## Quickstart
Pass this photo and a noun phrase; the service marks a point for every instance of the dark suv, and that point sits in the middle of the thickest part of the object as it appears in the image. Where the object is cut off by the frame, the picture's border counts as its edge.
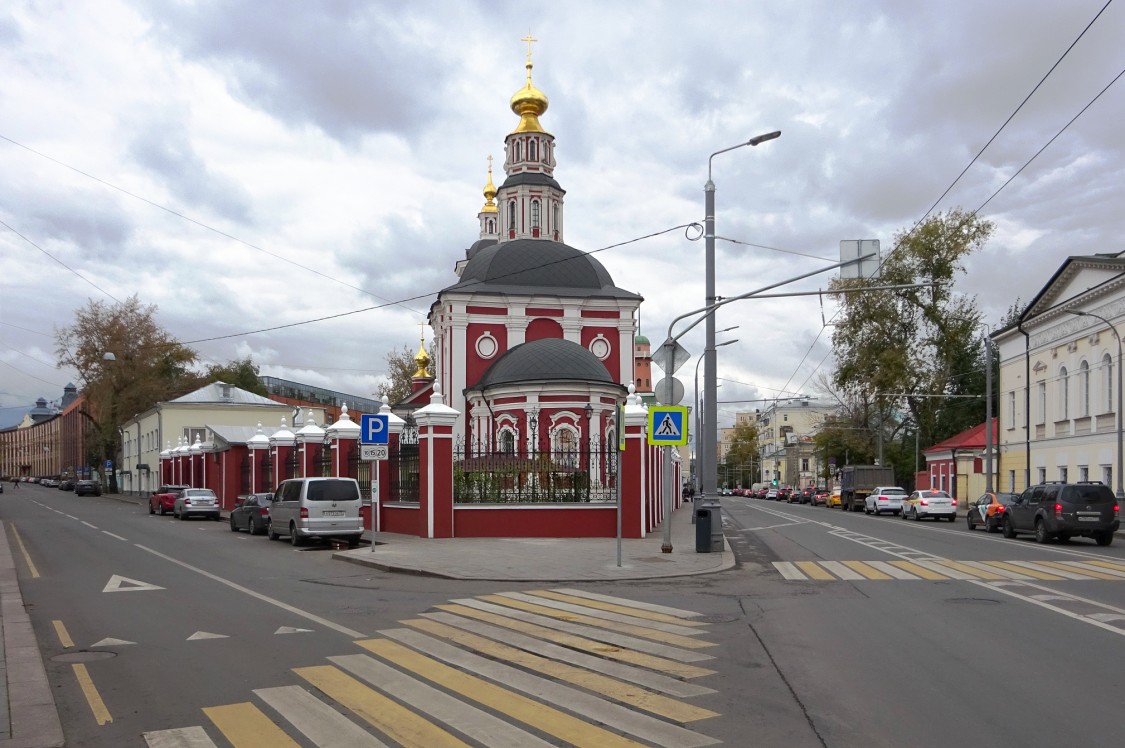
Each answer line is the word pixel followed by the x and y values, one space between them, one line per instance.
pixel 84 487
pixel 1063 510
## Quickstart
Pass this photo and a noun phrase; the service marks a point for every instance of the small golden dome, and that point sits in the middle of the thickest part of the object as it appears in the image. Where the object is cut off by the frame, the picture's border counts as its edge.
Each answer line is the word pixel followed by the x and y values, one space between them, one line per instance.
pixel 489 192
pixel 423 360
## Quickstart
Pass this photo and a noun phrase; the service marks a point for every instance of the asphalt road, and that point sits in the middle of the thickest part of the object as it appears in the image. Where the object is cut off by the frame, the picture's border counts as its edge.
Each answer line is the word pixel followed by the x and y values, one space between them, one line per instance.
pixel 207 618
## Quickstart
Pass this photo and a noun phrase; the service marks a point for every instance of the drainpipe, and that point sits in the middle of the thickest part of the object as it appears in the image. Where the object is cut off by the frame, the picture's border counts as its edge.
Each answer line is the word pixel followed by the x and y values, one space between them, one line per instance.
pixel 1026 402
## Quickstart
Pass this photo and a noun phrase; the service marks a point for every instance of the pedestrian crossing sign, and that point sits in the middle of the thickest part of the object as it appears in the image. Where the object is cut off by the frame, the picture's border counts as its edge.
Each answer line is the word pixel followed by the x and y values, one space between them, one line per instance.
pixel 667 425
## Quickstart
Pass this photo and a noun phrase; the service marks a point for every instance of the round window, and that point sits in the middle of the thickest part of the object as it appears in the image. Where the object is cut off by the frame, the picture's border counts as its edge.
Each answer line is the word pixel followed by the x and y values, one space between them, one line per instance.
pixel 599 346
pixel 487 346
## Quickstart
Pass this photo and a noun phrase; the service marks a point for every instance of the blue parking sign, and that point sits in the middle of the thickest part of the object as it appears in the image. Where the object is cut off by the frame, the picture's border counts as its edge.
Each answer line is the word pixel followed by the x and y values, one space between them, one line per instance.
pixel 374 429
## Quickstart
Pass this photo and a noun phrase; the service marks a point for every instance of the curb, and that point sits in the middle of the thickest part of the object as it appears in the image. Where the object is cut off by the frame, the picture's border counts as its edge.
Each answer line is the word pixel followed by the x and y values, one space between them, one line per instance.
pixel 33 715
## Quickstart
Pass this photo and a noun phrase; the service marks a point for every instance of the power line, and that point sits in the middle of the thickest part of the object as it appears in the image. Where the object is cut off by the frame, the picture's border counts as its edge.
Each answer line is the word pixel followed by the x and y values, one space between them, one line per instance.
pixel 56 259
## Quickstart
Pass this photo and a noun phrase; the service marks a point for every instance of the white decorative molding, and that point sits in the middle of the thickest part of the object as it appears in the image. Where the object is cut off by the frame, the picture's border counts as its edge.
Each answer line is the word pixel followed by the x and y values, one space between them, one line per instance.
pixel 486 345
pixel 601 347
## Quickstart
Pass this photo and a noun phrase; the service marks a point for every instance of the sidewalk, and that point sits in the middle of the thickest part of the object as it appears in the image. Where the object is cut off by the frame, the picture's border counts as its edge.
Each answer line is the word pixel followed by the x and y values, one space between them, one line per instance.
pixel 544 559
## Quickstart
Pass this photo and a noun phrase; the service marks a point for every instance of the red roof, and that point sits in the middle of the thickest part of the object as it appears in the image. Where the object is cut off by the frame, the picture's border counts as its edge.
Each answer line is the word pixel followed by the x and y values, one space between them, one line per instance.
pixel 969 439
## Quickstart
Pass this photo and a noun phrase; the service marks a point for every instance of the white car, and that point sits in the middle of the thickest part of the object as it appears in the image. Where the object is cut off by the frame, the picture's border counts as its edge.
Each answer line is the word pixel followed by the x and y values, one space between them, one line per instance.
pixel 929 503
pixel 884 499
pixel 200 501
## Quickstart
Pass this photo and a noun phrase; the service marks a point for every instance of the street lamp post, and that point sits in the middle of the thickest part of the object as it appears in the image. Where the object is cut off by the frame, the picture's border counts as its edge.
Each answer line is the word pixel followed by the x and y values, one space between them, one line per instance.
pixel 699 417
pixel 1120 450
pixel 710 466
pixel 588 411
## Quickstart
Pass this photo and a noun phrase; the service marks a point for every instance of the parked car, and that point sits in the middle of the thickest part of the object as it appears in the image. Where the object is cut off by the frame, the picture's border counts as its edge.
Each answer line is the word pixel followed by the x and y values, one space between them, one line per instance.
pixel 163 499
pixel 305 508
pixel 783 494
pixel 196 501
pixel 87 487
pixel 820 496
pixel 834 498
pixel 929 503
pixel 988 511
pixel 251 513
pixel 1063 510
pixel 771 494
pixel 884 499
pixel 66 485
pixel 807 495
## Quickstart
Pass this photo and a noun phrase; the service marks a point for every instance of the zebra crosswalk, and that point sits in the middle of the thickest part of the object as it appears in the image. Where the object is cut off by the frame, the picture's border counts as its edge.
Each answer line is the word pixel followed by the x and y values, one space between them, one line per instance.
pixel 510 670
pixel 920 568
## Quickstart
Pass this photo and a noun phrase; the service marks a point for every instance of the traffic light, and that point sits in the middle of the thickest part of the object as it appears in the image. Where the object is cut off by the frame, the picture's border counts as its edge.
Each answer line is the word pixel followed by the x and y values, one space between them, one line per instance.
pixel 775 481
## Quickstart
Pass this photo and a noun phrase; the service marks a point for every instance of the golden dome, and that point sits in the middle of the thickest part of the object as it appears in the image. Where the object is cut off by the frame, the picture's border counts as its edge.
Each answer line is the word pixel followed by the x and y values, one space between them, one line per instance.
pixel 423 360
pixel 529 102
pixel 489 192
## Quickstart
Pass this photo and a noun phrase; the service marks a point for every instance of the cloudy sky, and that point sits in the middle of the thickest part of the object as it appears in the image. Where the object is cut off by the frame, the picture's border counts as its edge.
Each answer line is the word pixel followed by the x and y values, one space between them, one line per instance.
pixel 247 164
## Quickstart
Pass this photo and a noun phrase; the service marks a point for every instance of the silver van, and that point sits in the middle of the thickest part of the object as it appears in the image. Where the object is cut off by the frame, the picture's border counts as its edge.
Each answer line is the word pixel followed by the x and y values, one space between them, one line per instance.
pixel 316 508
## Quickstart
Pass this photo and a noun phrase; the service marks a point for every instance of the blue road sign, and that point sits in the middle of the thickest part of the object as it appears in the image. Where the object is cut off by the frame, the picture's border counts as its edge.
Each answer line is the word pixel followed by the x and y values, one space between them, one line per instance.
pixel 374 429
pixel 667 425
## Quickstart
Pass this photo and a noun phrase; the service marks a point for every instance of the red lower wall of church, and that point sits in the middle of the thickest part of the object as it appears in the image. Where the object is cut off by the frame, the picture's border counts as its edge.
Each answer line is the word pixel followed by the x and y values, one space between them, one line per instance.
pixel 535 522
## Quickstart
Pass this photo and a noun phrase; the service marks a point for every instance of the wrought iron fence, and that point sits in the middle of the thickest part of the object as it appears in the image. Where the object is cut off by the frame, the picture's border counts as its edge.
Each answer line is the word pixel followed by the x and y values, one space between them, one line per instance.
pixel 322 462
pixel 267 473
pixel 404 465
pixel 519 476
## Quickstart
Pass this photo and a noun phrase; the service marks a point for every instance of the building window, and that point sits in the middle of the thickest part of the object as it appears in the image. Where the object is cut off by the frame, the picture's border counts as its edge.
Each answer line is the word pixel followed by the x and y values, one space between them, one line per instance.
pixel 804 464
pixel 512 215
pixel 1064 394
pixel 1062 473
pixel 532 151
pixel 1011 481
pixel 534 214
pixel 555 216
pixel 1083 389
pixel 1042 473
pixel 508 442
pixel 1107 383
pixel 489 227
pixel 1083 473
pixel 1042 411
pixel 517 151
pixel 1012 409
pixel 1107 475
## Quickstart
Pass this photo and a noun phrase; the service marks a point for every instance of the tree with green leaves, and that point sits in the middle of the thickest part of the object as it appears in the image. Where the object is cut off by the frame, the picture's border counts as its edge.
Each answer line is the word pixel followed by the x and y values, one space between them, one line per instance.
pixel 742 455
pixel 126 363
pixel 241 373
pixel 912 354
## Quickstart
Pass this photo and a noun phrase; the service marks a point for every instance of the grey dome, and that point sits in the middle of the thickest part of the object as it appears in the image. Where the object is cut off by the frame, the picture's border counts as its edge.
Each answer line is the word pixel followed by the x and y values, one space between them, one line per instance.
pixel 552 359
pixel 478 245
pixel 531 264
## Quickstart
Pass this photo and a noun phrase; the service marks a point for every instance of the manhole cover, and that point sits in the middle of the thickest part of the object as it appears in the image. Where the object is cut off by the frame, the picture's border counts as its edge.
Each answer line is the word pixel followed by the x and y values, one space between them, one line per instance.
pixel 714 619
pixel 972 601
pixel 83 656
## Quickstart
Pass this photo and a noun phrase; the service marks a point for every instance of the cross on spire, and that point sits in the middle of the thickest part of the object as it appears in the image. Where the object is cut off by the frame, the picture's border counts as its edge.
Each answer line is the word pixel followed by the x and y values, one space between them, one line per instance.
pixel 529 39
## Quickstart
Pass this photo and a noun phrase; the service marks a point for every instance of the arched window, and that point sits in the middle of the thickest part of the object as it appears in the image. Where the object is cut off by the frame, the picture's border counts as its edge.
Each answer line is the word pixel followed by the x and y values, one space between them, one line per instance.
pixel 1083 389
pixel 534 214
pixel 516 150
pixel 1107 382
pixel 566 447
pixel 508 442
pixel 1064 395
pixel 555 216
pixel 512 215
pixel 532 151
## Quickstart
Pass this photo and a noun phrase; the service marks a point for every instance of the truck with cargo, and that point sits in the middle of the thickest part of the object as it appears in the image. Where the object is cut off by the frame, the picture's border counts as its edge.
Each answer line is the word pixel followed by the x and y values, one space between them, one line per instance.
pixel 858 481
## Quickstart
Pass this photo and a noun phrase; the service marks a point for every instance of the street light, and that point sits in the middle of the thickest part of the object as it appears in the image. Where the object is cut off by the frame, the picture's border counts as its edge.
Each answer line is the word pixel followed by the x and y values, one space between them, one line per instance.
pixel 699 417
pixel 1120 450
pixel 710 383
pixel 589 413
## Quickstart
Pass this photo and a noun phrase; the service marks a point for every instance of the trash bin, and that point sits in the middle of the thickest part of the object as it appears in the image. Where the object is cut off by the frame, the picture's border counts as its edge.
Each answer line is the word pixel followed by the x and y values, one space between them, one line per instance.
pixel 702 530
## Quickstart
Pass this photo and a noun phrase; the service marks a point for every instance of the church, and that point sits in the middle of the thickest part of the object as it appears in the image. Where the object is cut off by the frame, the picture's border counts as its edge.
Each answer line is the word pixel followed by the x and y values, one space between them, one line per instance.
pixel 535 343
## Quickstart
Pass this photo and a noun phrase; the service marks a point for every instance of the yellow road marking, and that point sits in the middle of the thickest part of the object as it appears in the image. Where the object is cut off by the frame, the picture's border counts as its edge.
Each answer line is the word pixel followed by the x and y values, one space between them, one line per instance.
pixel 26 555
pixel 814 570
pixel 1106 564
pixel 387 716
pixel 61 632
pixel 626 693
pixel 635 612
pixel 602 649
pixel 245 726
pixel 93 698
pixel 676 640
pixel 1025 570
pixel 868 571
pixel 917 570
pixel 540 716
pixel 979 573
pixel 1077 569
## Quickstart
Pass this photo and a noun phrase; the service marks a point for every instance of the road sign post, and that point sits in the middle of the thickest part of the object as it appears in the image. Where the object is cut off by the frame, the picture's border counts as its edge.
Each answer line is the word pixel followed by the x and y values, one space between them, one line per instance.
pixel 374 429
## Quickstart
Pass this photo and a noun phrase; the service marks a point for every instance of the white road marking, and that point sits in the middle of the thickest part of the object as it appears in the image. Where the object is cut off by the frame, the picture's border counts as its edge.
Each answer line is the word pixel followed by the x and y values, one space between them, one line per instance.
pixel 892 570
pixel 605 615
pixel 843 572
pixel 111 643
pixel 1094 619
pixel 181 737
pixel 206 635
pixel 789 571
pixel 71 516
pixel 292 630
pixel 319 722
pixel 89 525
pixel 124 584
pixel 118 537
pixel 352 633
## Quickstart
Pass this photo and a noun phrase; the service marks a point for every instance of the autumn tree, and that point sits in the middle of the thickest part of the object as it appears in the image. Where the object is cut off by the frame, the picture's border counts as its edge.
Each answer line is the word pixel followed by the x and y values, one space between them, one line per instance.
pixel 912 354
pixel 126 363
pixel 742 454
